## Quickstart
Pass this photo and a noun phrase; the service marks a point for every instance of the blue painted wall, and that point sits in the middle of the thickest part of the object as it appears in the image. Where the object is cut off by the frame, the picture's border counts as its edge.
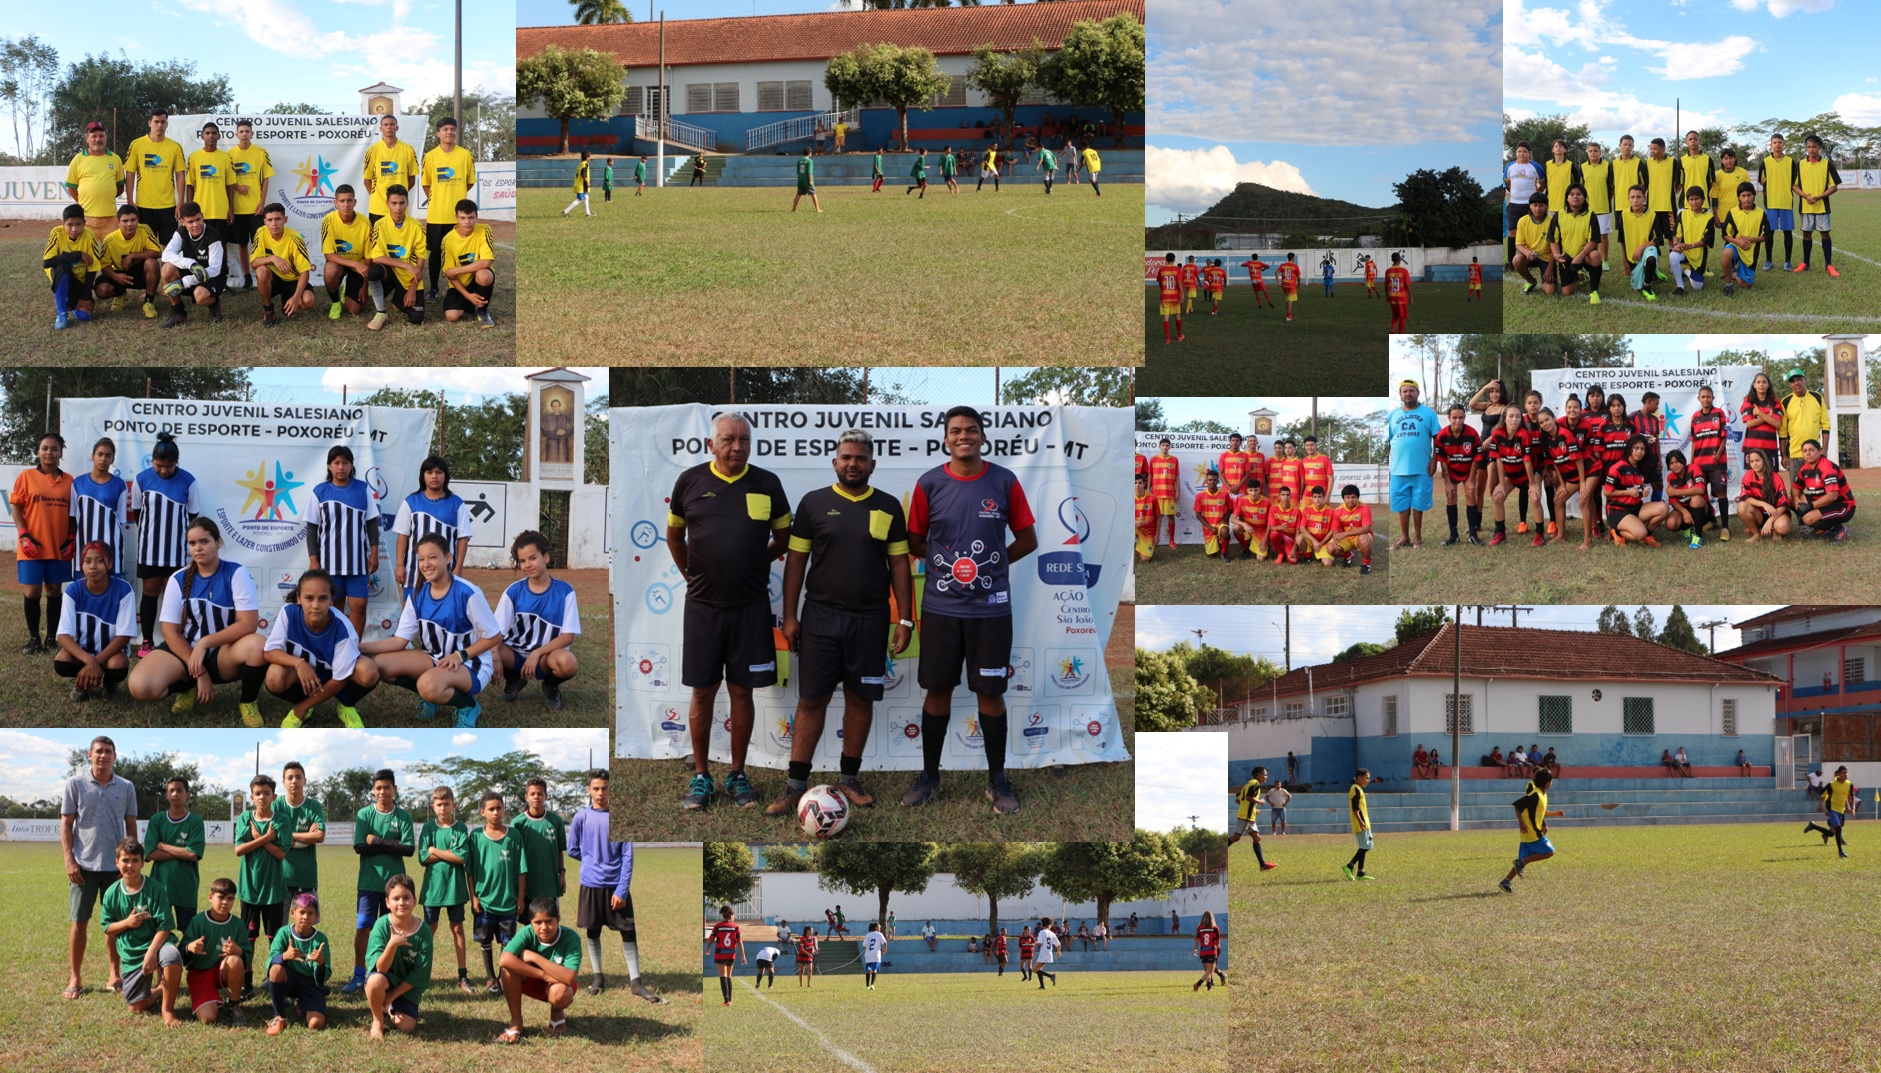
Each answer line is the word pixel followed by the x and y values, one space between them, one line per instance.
pixel 878 125
pixel 1332 760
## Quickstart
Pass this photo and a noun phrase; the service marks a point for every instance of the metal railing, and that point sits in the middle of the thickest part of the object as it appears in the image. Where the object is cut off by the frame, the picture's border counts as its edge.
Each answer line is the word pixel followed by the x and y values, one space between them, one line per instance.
pixel 803 128
pixel 685 135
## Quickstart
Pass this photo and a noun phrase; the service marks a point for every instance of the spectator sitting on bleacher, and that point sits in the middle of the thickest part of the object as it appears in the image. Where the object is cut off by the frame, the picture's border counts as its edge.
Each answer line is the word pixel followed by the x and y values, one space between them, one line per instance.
pixel 1549 762
pixel 1084 934
pixel 927 932
pixel 1494 759
pixel 973 944
pixel 1814 789
pixel 1100 935
pixel 1419 761
pixel 1743 765
pixel 1685 765
pixel 1133 923
pixel 1665 761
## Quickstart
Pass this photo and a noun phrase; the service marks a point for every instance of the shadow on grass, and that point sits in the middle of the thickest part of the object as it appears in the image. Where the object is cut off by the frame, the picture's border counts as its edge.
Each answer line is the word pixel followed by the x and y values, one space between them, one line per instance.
pixel 609 1028
pixel 1459 896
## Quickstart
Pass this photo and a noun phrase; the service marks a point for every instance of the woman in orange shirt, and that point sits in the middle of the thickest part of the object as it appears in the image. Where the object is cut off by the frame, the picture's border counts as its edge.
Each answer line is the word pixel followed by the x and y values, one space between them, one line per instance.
pixel 41 505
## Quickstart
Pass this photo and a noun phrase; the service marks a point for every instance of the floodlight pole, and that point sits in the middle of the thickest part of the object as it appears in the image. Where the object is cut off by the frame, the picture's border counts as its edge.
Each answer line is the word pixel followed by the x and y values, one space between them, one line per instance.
pixel 659 118
pixel 1456 727
pixel 457 71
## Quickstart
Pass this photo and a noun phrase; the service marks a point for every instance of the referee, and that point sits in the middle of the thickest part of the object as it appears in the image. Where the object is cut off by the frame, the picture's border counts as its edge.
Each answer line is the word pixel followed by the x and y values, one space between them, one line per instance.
pixel 725 523
pixel 854 541
pixel 958 518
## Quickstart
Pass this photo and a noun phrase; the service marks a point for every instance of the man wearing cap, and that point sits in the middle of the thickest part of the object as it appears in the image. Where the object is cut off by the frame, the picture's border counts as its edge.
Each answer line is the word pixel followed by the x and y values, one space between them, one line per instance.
pixel 1804 418
pixel 1412 464
pixel 94 179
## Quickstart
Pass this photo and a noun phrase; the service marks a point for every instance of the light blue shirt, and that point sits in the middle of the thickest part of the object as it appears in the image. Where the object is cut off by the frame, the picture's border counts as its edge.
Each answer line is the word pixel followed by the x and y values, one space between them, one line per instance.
pixel 1411 434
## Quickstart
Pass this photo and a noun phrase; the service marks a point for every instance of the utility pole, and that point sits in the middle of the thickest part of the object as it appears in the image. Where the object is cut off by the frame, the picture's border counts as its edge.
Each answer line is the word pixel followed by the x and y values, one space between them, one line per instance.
pixel 1514 610
pixel 660 117
pixel 1713 627
pixel 1289 635
pixel 1315 416
pixel 1456 725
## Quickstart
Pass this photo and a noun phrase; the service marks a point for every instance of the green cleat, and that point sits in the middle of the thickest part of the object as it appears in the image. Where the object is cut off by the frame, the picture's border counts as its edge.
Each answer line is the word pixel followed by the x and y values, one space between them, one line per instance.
pixel 1348 872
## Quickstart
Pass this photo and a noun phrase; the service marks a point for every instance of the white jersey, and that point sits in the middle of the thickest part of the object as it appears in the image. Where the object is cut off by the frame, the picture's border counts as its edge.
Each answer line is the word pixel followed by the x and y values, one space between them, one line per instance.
pixel 769 953
pixel 1523 179
pixel 873 943
pixel 1047 947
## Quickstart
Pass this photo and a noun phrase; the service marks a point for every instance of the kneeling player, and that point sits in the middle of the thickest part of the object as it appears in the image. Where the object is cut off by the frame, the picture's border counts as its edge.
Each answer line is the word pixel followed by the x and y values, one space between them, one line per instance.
pixel 71 263
pixel 96 622
pixel 346 242
pixel 1249 522
pixel 1763 503
pixel 397 262
pixel 1744 231
pixel 313 655
pixel 1640 231
pixel 129 262
pixel 1574 244
pixel 1283 528
pixel 469 267
pixel 1826 502
pixel 540 962
pixel 540 620
pixel 1531 247
pixel 193 265
pixel 1531 814
pixel 398 960
pixel 282 270
pixel 1692 237
pixel 1352 529
pixel 1211 510
pixel 217 950
pixel 1316 526
pixel 299 966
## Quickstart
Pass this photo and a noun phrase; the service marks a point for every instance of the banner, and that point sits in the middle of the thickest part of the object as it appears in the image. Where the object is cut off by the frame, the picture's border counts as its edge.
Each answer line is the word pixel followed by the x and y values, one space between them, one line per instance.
pixel 1199 452
pixel 1070 461
pixel 256 465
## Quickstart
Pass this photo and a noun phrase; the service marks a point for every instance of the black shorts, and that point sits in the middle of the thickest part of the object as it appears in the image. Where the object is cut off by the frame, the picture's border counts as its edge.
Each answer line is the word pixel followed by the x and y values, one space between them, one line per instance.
pixel 1516 212
pixel 1567 272
pixel 282 288
pixel 594 908
pixel 838 648
pixel 1649 468
pixel 1836 513
pixel 434 241
pixel 145 570
pixel 454 300
pixel 352 285
pixel 731 644
pixel 242 228
pixel 208 662
pixel 493 927
pixel 1614 514
pixel 395 297
pixel 161 221
pixel 982 645
pixel 1715 476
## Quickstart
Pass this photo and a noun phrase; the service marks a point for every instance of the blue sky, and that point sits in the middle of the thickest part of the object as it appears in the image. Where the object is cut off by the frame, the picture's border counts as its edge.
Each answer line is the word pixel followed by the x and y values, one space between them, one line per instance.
pixel 561 12
pixel 33 762
pixel 1178 776
pixel 1233 411
pixel 1619 67
pixel 1661 351
pixel 1341 103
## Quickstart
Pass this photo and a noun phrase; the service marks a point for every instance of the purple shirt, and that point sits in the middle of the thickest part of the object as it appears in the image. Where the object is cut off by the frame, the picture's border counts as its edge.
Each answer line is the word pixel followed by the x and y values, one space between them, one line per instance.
pixel 604 863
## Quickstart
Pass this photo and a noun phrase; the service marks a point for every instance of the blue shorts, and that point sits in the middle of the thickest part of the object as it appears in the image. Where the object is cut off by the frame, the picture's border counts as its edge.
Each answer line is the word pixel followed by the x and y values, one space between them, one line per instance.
pixel 454 912
pixel 1538 848
pixel 308 996
pixel 517 659
pixel 1835 820
pixel 1779 219
pixel 371 908
pixel 494 927
pixel 1745 271
pixel 45 572
pixel 404 1004
pixel 1410 492
pixel 872 966
pixel 351 586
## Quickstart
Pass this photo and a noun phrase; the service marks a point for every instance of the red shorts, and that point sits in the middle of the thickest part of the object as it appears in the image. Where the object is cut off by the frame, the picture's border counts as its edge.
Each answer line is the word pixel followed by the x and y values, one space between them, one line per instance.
pixel 1401 303
pixel 536 989
pixel 1259 286
pixel 204 988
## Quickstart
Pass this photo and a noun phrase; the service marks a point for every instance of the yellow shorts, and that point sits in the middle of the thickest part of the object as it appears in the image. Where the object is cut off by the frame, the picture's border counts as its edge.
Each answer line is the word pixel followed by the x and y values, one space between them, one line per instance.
pixel 1324 553
pixel 1473 287
pixel 1191 292
pixel 1293 296
pixel 1170 309
pixel 1165 507
pixel 1349 544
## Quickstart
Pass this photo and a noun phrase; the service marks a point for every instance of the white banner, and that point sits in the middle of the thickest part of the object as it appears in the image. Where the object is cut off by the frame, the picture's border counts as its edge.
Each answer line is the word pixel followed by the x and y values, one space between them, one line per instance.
pixel 1071 461
pixel 1199 452
pixel 1678 399
pixel 32 193
pixel 215 832
pixel 256 465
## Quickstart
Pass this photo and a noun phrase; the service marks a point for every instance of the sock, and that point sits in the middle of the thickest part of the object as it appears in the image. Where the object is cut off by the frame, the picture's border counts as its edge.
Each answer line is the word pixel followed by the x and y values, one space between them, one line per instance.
pixel 1508 248
pixel 993 734
pixel 799 772
pixel 461 699
pixel 376 288
pixel 350 694
pixel 54 601
pixel 725 987
pixel 1593 275
pixel 1449 511
pixel 489 962
pixel 280 997
pixel 631 950
pixel 1178 325
pixel 933 740
pixel 1789 244
pixel 1522 508
pixel 1259 857
pixel 1361 862
pixel 1809 243
pixel 594 951
pixel 232 257
pixel 1652 271
pixel 1475 515
pixel 147 616
pixel 32 617
pixel 114 675
pixel 851 766
pixel 61 290
pixel 1500 527
pixel 251 683
pixel 1828 250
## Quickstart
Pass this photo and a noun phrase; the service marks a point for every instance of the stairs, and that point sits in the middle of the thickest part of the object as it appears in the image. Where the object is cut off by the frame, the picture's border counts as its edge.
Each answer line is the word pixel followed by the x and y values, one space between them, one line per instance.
pixel 855 169
pixel 1485 805
pixel 843 958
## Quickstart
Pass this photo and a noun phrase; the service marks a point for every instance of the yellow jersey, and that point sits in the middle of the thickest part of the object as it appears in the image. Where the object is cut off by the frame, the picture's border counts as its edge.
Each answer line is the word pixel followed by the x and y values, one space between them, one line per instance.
pixel 1695 169
pixel 156 165
pixel 1533 234
pixel 1658 177
pixel 1697 227
pixel 1361 815
pixel 404 243
pixel 1560 177
pixel 209 182
pixel 97 180
pixel 251 165
pixel 456 249
pixel 1091 163
pixel 1838 793
pixel 1627 174
pixel 1815 176
pixel 1573 232
pixel 448 178
pixel 581 177
pixel 1724 188
pixel 86 243
pixel 1778 176
pixel 290 247
pixel 116 247
pixel 1532 814
pixel 1598 179
pixel 1744 223
pixel 351 241
pixel 385 166
pixel 1248 798
pixel 1637 230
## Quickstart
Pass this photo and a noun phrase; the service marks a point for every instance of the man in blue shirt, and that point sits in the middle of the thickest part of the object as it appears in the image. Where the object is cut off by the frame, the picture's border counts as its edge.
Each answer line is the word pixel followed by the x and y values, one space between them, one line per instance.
pixel 606 899
pixel 1413 429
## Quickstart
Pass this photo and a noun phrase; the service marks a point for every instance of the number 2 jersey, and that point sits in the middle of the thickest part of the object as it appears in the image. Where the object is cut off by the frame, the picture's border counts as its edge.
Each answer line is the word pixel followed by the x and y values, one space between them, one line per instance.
pixel 528 619
pixel 331 652
pixel 202 605
pixel 94 620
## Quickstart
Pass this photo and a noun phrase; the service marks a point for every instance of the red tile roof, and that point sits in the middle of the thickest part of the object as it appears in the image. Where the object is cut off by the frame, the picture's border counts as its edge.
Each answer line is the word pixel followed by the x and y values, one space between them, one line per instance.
pixel 1503 652
pixel 770 38
pixel 1791 613
pixel 1821 639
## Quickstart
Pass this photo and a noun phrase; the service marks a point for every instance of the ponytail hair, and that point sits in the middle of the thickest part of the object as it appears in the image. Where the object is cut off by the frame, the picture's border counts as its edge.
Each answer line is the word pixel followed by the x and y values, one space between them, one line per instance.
pixel 105 441
pixel 207 525
pixel 165 450
pixel 524 539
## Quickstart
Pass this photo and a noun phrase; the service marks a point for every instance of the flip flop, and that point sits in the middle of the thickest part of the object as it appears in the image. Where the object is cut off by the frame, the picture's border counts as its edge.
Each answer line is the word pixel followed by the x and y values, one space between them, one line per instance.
pixel 510 1035
pixel 557 1028
pixel 72 991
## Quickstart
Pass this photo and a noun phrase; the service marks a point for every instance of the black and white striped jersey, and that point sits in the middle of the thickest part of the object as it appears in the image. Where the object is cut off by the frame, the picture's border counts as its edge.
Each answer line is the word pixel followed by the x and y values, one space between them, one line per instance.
pixel 420 515
pixel 164 507
pixel 98 514
pixel 449 624
pixel 93 619
pixel 346 523
pixel 211 603
pixel 530 620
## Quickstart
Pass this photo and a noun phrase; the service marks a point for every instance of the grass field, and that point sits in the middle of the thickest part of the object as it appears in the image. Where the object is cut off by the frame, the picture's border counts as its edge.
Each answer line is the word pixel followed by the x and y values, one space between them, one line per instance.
pixel 26 332
pixel 723 275
pixel 32 695
pixel 1186 576
pixel 1777 302
pixel 1335 346
pixel 97 1031
pixel 1096 1022
pixel 1741 947
pixel 1562 573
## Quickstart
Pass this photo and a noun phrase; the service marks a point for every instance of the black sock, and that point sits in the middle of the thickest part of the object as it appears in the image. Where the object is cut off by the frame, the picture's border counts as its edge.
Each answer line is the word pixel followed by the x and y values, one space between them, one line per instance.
pixel 1475 516
pixel 403 681
pixel 1652 271
pixel 799 771
pixel 1500 526
pixel 114 675
pixel 147 617
pixel 32 617
pixel 1449 512
pixel 1258 855
pixel 350 694
pixel 252 678
pixel 1809 244
pixel 725 987
pixel 489 962
pixel 281 996
pixel 851 765
pixel 1359 858
pixel 933 740
pixel 1789 240
pixel 1521 507
pixel 1508 248
pixel 1828 251
pixel 1593 275
pixel 993 734
pixel 461 699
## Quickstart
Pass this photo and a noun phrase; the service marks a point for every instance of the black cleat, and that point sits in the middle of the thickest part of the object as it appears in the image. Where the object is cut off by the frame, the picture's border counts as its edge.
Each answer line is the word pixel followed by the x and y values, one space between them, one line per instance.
pixel 552 696
pixel 1474 539
pixel 512 688
pixel 1451 539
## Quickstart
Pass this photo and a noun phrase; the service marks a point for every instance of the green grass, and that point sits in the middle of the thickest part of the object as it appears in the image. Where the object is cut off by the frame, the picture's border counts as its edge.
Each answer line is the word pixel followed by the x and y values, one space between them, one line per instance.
pixel 98 1031
pixel 1078 803
pixel 1636 948
pixel 1186 576
pixel 712 276
pixel 1562 573
pixel 32 695
pixel 1335 346
pixel 1778 302
pixel 1098 1022
pixel 26 330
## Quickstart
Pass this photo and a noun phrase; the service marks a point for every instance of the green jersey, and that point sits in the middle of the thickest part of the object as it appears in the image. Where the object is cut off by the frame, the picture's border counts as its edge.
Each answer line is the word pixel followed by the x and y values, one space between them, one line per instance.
pixel 212 933
pixel 395 827
pixel 258 879
pixel 179 879
pixel 411 965
pixel 304 947
pixel 544 842
pixel 565 950
pixel 640 173
pixel 1047 161
pixel 919 171
pixel 495 866
pixel 878 166
pixel 444 881
pixel 298 870
pixel 806 171
pixel 947 166
pixel 607 176
pixel 119 903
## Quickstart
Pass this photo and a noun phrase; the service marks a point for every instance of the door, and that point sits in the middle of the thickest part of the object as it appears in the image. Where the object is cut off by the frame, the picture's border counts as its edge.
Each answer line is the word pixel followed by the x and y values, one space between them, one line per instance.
pixel 552 516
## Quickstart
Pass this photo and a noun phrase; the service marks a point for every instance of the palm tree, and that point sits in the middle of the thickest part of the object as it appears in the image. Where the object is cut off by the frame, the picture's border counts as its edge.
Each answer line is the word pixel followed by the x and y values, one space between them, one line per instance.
pixel 595 12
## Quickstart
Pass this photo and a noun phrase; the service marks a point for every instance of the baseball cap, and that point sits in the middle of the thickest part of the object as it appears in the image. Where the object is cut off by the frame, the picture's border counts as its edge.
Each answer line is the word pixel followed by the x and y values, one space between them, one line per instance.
pixel 93 125
pixel 1794 373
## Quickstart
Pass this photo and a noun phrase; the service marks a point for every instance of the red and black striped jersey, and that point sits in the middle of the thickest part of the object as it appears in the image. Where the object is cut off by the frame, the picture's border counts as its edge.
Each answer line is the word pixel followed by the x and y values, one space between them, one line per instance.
pixel 1688 481
pixel 1760 437
pixel 1822 478
pixel 1708 430
pixel 1771 490
pixel 1651 426
pixel 1613 439
pixel 1458 449
pixel 1624 482
pixel 806 947
pixel 1512 450
pixel 725 936
pixel 1208 940
pixel 1564 447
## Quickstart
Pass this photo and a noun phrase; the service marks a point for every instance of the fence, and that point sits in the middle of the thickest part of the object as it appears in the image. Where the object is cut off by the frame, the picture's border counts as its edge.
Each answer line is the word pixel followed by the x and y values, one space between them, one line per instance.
pixel 677 133
pixel 891 385
pixel 800 129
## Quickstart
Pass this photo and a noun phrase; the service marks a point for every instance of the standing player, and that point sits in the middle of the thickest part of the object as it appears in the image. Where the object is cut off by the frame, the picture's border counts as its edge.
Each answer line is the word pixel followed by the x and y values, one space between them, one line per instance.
pixel 93 179
pixel 470 275
pixel 390 162
pixel 918 172
pixel 1286 471
pixel 1476 281
pixel 606 886
pixel 1724 183
pixel 1559 173
pixel 343 534
pixel 1047 165
pixel 873 943
pixel 1000 946
pixel 249 172
pixel 989 166
pixel 41 506
pixel 1289 274
pixel 1235 465
pixel 1511 447
pixel 1326 268
pixel 345 242
pixel 727 942
pixel 449 176
pixel 1693 167
pixel 580 188
pixel 1191 282
pixel 1459 446
pixel 1208 949
pixel 806 956
pixel 1360 815
pixel 1048 947
pixel 128 262
pixel 1837 804
pixel 101 505
pixel 1398 293
pixel 640 175
pixel 948 167
pixel 1214 281
pixel 1629 171
pixel 1371 277
pixel 607 180
pixel 1531 815
pixel 1777 175
pixel 1165 483
pixel 1028 947
pixel 1256 269
pixel 875 172
pixel 1211 511
pixel 210 179
pixel 433 508
pixel 397 262
pixel 1248 800
pixel 163 499
pixel 1169 295
pixel 1659 175
pixel 1521 178
pixel 153 177
pixel 1816 179
pixel 1597 180
pixel 1092 165
pixel 1709 428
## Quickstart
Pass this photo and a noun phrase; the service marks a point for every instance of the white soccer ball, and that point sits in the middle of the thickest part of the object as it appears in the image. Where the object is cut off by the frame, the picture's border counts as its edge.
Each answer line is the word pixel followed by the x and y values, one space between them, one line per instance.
pixel 822 812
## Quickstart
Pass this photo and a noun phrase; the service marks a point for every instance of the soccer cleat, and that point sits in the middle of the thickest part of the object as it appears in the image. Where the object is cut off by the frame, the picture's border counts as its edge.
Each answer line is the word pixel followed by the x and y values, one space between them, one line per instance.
pixel 484 319
pixel 1451 539
pixel 1786 266
pixel 143 649
pixel 1472 538
pixel 1528 288
pixel 184 703
pixel 1618 540
pixel 1365 568
pixel 427 710
pixel 377 322
pixel 1697 543
pixel 1799 269
pixel 1830 269
pixel 251 713
pixel 1348 871
pixel 512 688
pixel 150 311
pixel 1521 528
pixel 292 722
pixel 1678 292
pixel 924 790
pixel 81 315
pixel 1766 266
pixel 349 717
pixel 466 717
pixel 1554 529
pixel 334 310
pixel 356 984
pixel 851 787
pixel 698 792
pixel 1730 288
pixel 552 696
pixel 60 322
pixel 1650 541
pixel 1540 540
pixel 1000 792
pixel 215 314
pixel 1724 534
pixel 1268 866
pixel 1593 299
pixel 1841 535
pixel 268 319
pixel 785 803
pixel 1506 887
pixel 1649 296
pixel 79 696
pixel 1498 538
pixel 739 787
pixel 117 304
pixel 1365 877
pixel 1842 855
pixel 174 319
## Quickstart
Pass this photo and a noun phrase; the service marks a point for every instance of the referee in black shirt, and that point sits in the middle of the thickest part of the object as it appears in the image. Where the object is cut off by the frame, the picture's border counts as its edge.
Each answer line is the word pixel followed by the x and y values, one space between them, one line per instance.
pixel 726 523
pixel 853 539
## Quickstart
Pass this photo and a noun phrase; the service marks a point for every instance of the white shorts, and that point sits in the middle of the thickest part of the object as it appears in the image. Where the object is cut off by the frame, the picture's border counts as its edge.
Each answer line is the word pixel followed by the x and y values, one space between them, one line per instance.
pixel 1249 827
pixel 1815 221
pixel 1606 222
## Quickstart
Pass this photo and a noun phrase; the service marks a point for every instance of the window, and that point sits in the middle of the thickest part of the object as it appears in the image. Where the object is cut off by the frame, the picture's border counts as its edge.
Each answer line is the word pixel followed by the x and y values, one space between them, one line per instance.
pixel 632 103
pixel 955 95
pixel 1335 706
pixel 1854 670
pixel 770 96
pixel 1730 719
pixel 724 96
pixel 1391 717
pixel 712 97
pixel 1557 715
pixel 1636 715
pixel 1451 723
pixel 1260 712
pixel 1294 709
pixel 784 96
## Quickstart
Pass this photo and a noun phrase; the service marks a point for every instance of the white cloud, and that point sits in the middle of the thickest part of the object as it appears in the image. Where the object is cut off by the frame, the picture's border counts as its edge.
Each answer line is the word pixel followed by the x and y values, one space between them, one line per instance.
pixel 566 749
pixel 1741 5
pixel 1585 98
pixel 1859 109
pixel 1181 775
pixel 1688 60
pixel 31 767
pixel 461 740
pixel 1781 8
pixel 1191 180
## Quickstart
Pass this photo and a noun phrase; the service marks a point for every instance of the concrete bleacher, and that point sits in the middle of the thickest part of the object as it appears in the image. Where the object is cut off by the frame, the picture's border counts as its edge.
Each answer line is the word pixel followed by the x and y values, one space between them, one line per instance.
pixel 1142 953
pixel 849 169
pixel 1611 801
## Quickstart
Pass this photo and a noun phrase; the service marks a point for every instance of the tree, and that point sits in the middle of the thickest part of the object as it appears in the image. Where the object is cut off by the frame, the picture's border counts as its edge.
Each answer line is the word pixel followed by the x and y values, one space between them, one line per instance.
pixel 598 12
pixel 900 78
pixel 1204 425
pixel 594 442
pixel 285 108
pixel 1069 385
pixel 1643 625
pixel 1167 698
pixel 1540 132
pixel 1417 623
pixel 488 128
pixel 1679 634
pixel 1208 849
pixel 1149 416
pixel 29 69
pixel 993 870
pixel 147 772
pixel 342 793
pixel 1480 357
pixel 569 85
pixel 877 868
pixel 1150 865
pixel 1613 620
pixel 23 412
pixel 745 384
pixel 1100 65
pixel 1223 674
pixel 782 858
pixel 1004 77
pixel 96 85
pixel 479 437
pixel 1441 208
pixel 1343 438
pixel 506 774
pixel 728 878
pixel 1360 651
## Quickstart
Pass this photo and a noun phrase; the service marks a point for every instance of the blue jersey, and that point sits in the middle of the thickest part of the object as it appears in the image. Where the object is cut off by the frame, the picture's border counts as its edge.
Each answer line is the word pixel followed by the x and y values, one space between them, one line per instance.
pixel 98 513
pixel 94 620
pixel 450 624
pixel 530 620
pixel 1411 433
pixel 964 522
pixel 211 603
pixel 340 516
pixel 331 652
pixel 1327 269
pixel 164 506
pixel 420 515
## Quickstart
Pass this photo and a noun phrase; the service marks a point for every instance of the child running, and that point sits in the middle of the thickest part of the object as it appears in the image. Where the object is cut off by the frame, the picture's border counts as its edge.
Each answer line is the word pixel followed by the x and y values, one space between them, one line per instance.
pixel 441 647
pixel 1838 803
pixel 539 620
pixel 163 500
pixel 209 615
pixel 1248 801
pixel 1531 814
pixel 95 627
pixel 313 655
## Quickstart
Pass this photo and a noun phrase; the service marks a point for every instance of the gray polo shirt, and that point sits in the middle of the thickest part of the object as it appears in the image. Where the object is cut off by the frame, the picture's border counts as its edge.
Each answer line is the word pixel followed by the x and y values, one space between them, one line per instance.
pixel 100 812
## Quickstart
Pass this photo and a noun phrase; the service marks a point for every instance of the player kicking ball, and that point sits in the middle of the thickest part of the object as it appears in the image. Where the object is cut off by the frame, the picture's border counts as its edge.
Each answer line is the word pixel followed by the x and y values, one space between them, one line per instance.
pixel 1531 813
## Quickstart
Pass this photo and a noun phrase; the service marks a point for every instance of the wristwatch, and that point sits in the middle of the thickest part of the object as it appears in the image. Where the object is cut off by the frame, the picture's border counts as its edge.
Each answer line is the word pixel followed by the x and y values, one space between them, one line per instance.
pixel 907 623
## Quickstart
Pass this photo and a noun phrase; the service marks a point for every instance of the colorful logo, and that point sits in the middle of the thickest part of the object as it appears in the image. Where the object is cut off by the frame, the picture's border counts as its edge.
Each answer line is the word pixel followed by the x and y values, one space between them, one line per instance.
pixel 270 495
pixel 153 160
pixel 396 250
pixel 1074 520
pixel 312 198
pixel 446 174
pixel 1070 673
pixel 207 170
pixel 242 167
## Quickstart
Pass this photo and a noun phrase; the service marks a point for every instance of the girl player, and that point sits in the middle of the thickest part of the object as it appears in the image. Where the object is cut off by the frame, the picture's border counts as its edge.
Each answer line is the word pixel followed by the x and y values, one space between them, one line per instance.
pixel 1762 501
pixel 1687 506
pixel 95 626
pixel 1208 948
pixel 806 956
pixel 433 508
pixel 540 622
pixel 209 615
pixel 314 657
pixel 441 647
pixel 1629 517
pixel 344 540
pixel 1028 947
pixel 298 967
pixel 42 516
pixel 163 500
pixel 100 503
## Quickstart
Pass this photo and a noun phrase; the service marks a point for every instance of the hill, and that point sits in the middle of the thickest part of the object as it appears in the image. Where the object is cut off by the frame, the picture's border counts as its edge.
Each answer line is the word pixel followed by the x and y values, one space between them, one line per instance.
pixel 1251 207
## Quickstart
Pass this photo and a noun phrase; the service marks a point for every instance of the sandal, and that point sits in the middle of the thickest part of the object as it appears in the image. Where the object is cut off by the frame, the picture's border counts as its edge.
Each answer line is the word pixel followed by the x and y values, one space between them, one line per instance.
pixel 557 1028
pixel 72 991
pixel 510 1035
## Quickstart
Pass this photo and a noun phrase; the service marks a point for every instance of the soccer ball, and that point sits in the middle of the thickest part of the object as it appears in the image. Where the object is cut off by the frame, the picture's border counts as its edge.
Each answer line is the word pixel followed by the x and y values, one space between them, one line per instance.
pixel 822 812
